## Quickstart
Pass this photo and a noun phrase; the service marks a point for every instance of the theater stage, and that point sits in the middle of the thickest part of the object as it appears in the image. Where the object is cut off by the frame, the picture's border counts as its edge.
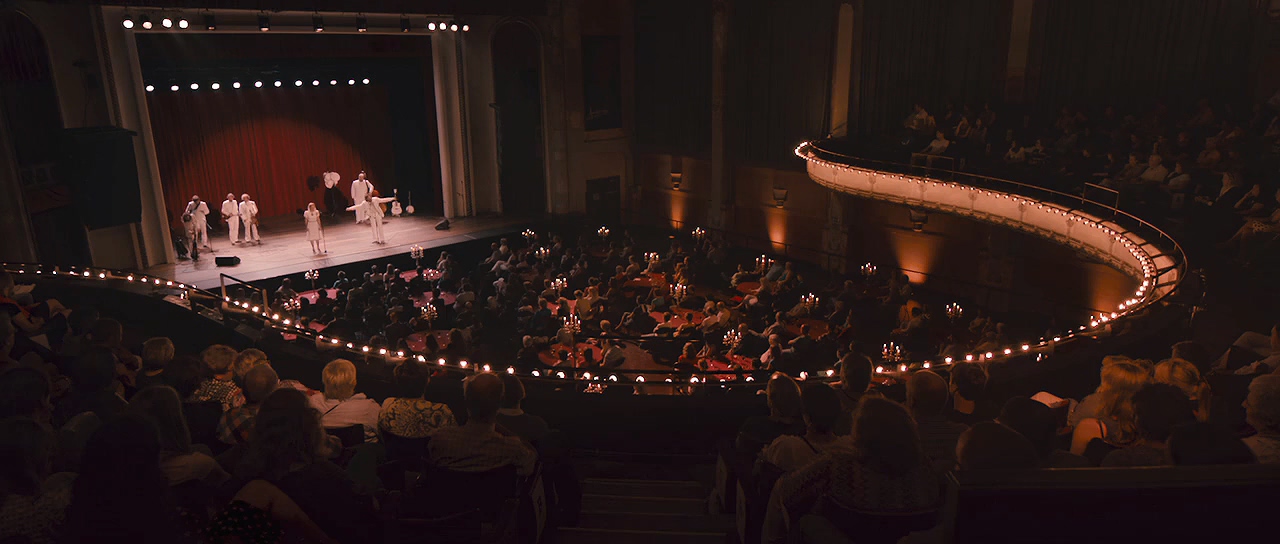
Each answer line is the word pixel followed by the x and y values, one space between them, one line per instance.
pixel 285 249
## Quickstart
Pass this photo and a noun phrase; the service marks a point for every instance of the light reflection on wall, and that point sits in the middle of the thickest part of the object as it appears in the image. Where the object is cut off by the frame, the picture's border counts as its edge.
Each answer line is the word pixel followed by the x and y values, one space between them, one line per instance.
pixel 915 252
pixel 775 221
pixel 677 209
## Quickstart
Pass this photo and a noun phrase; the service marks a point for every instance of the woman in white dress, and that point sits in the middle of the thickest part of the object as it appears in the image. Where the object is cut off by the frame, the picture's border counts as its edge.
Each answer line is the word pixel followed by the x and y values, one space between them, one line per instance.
pixel 314 232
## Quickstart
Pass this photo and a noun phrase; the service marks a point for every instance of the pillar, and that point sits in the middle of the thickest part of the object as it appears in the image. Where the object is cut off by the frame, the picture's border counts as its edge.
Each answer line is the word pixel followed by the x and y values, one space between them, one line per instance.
pixel 447 74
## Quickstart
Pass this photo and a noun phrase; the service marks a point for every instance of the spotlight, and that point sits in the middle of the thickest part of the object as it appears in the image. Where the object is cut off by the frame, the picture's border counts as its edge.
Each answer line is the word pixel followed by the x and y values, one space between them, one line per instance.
pixel 209 22
pixel 466 28
pixel 351 82
pixel 264 23
pixel 333 82
pixel 317 23
pixel 173 88
pixel 365 81
pixel 235 85
pixel 151 88
pixel 443 25
pixel 183 23
pixel 404 24
pixel 257 84
pixel 297 83
pixel 215 86
pixel 453 27
pixel 277 83
pixel 166 22
pixel 195 86
pixel 127 22
pixel 315 83
pixel 362 24
pixel 146 22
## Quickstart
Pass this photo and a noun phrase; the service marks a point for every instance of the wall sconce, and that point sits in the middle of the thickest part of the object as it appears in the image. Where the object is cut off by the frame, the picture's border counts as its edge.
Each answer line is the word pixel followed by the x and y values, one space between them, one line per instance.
pixel 675 180
pixel 779 196
pixel 919 218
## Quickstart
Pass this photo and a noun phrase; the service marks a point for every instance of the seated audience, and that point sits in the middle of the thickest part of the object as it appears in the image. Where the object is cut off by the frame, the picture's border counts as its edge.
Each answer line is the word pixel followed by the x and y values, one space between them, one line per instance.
pixel 1157 409
pixel 855 378
pixel 156 354
pixel 1089 405
pixel 480 445
pixel 821 411
pixel 1203 443
pixel 1113 419
pixel 236 425
pixel 24 392
pixel 410 414
pixel 513 418
pixel 992 446
pixel 33 502
pixel 1262 410
pixel 785 415
pixel 244 362
pixel 927 400
pixel 1037 423
pixel 1184 375
pixel 340 405
pixel 969 402
pixel 178 459
pixel 218 386
pixel 93 387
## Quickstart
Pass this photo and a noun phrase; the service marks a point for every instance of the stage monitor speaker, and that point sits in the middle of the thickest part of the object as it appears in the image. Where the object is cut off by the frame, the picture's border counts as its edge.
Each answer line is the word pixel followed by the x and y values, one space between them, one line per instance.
pixel 98 165
pixel 226 261
pixel 443 225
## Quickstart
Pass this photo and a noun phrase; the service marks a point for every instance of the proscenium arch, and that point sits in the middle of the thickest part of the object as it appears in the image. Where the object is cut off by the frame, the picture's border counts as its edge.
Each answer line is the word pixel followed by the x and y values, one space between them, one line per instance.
pixel 500 30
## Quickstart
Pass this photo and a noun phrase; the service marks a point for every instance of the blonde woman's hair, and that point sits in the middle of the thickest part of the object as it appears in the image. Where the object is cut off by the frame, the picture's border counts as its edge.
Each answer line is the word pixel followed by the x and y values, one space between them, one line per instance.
pixel 1183 374
pixel 1120 380
pixel 339 379
pixel 244 362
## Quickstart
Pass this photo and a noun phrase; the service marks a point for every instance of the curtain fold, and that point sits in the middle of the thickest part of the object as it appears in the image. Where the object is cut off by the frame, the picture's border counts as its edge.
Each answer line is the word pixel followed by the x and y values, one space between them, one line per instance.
pixel 673 76
pixel 267 142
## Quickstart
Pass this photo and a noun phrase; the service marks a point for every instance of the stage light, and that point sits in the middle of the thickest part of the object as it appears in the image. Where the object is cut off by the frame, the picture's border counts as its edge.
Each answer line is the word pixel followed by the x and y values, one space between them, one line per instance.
pixel 195 86
pixel 430 26
pixel 466 28
pixel 183 23
pixel 297 83
pixel 173 88
pixel 235 85
pixel 351 82
pixel 362 24
pixel 277 83
pixel 264 23
pixel 453 27
pixel 146 22
pixel 166 22
pixel 215 86
pixel 209 22
pixel 365 81
pixel 315 83
pixel 333 82
pixel 443 25
pixel 151 88
pixel 257 84
pixel 404 24
pixel 317 23
pixel 127 22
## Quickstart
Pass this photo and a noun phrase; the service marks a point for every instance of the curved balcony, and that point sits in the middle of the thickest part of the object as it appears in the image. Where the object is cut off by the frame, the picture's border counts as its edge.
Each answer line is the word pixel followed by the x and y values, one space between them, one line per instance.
pixel 1128 243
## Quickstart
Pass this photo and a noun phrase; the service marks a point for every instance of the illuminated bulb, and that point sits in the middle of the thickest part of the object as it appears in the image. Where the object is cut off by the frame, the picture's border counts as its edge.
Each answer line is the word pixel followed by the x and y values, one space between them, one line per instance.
pixel 947 360
pixel 173 88
pixel 215 86
pixel 235 84
pixel 1025 347
pixel 1007 351
pixel 968 357
pixel 751 378
pixel 315 83
pixel 195 86
pixel 275 316
pixel 560 375
pixel 166 22
pixel 463 363
pixel 350 345
pixel 256 309
pixel 430 26
pixel 902 368
pixel 640 379
pixel 382 351
pixel 926 364
pixel 586 375
pixel 989 354
pixel 297 83
pixel 151 88
pixel 831 372
pixel 399 354
pixel 86 274
pixel 486 368
pixel 277 84
pixel 257 84
pixel 335 341
pixel 365 349
pixel 365 81
pixel 103 275
pixel 183 23
pixel 422 359
pixel 613 377
pixel 286 322
pixel 804 376
pixel 695 379
pixel 440 362
pixel 511 370
pixel 333 82
pixel 879 370
pixel 535 373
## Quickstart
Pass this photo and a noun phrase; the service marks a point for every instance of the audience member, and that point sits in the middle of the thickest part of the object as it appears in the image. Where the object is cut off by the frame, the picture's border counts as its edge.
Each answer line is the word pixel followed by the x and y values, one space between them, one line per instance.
pixel 821 411
pixel 178 459
pixel 1184 375
pixel 244 362
pixel 410 414
pixel 513 418
pixel 156 354
pixel 1157 409
pixel 1203 443
pixel 1262 409
pixel 1037 423
pixel 969 402
pixel 992 446
pixel 236 425
pixel 93 387
pixel 33 501
pixel 927 400
pixel 24 392
pixel 1112 421
pixel 340 405
pixel 785 415
pixel 480 445
pixel 218 386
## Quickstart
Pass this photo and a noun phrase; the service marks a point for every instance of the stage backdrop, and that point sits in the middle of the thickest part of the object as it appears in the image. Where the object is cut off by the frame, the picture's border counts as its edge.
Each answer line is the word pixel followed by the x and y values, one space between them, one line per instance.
pixel 268 141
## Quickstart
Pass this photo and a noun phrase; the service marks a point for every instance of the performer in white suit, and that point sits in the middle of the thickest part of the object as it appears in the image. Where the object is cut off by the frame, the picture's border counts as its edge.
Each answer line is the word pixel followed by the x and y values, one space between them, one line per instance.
pixel 199 212
pixel 249 214
pixel 373 210
pixel 360 187
pixel 231 215
pixel 314 232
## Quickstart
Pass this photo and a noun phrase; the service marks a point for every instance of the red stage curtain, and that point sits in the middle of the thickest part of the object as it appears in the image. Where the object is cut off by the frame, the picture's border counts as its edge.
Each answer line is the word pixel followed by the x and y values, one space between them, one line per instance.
pixel 268 141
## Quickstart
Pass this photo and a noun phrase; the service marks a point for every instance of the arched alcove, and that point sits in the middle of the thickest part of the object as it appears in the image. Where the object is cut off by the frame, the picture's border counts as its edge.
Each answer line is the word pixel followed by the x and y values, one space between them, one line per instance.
pixel 517 83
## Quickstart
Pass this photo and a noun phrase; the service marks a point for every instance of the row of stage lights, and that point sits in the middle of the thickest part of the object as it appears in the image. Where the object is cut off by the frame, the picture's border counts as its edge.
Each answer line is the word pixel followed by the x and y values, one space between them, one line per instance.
pixel 264 23
pixel 216 86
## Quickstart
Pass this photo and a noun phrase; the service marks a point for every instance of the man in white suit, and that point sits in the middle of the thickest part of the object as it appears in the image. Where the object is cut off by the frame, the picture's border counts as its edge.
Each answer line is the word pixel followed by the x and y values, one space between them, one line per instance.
pixel 360 187
pixel 231 214
pixel 199 212
pixel 373 210
pixel 249 214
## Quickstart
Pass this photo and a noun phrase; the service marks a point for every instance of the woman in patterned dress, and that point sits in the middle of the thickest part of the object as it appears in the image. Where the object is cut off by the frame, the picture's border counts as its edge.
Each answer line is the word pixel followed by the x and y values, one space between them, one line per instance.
pixel 411 415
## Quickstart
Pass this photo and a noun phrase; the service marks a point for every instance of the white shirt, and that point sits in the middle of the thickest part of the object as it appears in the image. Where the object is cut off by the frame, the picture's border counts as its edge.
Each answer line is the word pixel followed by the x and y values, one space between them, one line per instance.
pixel 197 211
pixel 230 207
pixel 357 409
pixel 248 209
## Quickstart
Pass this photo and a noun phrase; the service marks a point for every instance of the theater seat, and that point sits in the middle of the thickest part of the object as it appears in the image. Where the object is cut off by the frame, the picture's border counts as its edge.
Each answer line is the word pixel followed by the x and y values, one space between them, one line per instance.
pixel 351 435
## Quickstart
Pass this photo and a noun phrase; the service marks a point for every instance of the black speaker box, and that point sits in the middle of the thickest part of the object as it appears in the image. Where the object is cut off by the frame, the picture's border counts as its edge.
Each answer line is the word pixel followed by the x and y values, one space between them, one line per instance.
pixel 443 225
pixel 98 164
pixel 226 261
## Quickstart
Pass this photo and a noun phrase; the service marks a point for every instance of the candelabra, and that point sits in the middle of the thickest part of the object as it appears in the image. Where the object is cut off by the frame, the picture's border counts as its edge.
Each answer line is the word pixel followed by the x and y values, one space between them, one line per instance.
pixel 542 253
pixel 679 291
pixel 416 252
pixel 652 257
pixel 559 284
pixel 954 311
pixel 313 276
pixel 732 339
pixel 892 352
pixel 810 301
pixel 699 234
pixel 529 235
pixel 291 306
pixel 573 323
pixel 603 233
pixel 429 312
pixel 868 270
pixel 763 263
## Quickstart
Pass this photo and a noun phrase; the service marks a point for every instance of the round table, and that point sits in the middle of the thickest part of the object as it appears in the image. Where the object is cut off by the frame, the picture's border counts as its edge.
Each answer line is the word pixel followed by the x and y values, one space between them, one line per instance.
pixel 430 274
pixel 418 340
pixel 551 355
pixel 748 287
pixel 817 327
pixel 313 295
pixel 648 279
pixel 680 316
pixel 423 299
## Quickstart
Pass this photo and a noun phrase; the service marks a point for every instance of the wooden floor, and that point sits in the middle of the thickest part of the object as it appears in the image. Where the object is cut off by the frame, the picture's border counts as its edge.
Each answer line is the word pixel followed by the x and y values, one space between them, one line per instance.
pixel 285 250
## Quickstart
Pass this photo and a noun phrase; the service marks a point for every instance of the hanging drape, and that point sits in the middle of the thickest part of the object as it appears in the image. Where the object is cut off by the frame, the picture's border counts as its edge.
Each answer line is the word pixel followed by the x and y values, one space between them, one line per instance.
pixel 267 142
pixel 925 51
pixel 1134 52
pixel 673 76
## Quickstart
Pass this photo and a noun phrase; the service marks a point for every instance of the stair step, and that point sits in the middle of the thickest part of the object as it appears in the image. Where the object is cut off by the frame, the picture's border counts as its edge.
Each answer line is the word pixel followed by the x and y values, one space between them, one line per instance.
pixel 644 488
pixel 651 505
pixel 645 521
pixel 574 535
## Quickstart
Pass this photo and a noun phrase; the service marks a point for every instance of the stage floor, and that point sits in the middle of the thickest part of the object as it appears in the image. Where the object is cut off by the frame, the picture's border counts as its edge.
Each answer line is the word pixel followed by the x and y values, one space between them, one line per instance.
pixel 285 250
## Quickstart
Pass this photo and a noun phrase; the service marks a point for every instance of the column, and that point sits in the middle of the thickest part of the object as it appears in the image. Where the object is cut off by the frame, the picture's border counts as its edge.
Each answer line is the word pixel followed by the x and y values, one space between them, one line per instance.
pixel 449 118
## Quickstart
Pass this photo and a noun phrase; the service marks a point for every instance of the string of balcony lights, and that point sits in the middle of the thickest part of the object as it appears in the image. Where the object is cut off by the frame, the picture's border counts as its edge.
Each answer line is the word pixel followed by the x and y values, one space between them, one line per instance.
pixel 169 20
pixel 236 84
pixel 1140 299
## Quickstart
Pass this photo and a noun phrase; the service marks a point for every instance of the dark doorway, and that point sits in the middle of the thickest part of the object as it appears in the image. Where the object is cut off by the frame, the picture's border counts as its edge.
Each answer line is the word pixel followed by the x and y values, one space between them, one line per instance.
pixel 517 83
pixel 604 198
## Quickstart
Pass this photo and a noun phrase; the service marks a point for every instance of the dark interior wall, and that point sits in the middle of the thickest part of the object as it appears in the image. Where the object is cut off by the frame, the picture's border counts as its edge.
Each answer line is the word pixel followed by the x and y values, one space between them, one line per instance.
pixel 673 76
pixel 1137 52
pixel 517 86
